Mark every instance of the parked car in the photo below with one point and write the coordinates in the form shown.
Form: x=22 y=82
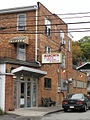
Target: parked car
x=77 y=102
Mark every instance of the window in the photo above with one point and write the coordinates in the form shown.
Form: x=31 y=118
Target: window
x=21 y=51
x=63 y=60
x=79 y=84
x=84 y=85
x=47 y=83
x=21 y=22
x=69 y=46
x=47 y=49
x=62 y=36
x=47 y=27
x=74 y=83
x=63 y=84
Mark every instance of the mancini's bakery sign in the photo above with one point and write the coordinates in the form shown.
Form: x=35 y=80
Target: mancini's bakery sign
x=52 y=58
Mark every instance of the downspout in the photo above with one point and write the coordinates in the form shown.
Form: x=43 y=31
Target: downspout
x=36 y=41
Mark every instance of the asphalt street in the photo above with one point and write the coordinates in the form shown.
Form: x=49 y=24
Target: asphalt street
x=70 y=115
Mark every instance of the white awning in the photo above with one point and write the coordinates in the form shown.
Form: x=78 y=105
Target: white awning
x=20 y=39
x=29 y=70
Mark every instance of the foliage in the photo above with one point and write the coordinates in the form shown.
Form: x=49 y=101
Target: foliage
x=1 y=112
x=81 y=50
x=76 y=52
x=85 y=47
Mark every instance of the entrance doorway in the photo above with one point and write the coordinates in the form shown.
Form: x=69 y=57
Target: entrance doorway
x=28 y=93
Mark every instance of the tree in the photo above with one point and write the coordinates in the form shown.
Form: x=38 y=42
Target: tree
x=76 y=52
x=81 y=50
x=85 y=47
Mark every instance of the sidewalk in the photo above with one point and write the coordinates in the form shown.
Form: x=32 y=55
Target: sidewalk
x=39 y=111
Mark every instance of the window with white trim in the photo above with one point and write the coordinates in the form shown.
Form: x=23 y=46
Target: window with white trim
x=47 y=49
x=47 y=27
x=69 y=47
x=62 y=36
x=63 y=60
x=21 y=51
x=21 y=21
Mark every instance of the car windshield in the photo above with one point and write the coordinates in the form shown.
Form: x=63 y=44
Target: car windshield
x=76 y=96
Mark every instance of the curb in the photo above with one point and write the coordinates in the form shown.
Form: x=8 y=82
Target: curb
x=53 y=112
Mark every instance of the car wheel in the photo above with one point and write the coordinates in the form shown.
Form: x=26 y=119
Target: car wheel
x=65 y=110
x=85 y=108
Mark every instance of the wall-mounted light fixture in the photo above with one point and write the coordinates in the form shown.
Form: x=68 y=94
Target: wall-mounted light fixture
x=14 y=76
x=21 y=77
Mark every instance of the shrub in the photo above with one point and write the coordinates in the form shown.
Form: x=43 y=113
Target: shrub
x=1 y=112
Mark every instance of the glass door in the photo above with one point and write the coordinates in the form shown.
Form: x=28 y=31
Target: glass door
x=29 y=94
x=34 y=95
x=22 y=97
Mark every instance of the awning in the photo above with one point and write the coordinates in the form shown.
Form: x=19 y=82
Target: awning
x=20 y=39
x=26 y=70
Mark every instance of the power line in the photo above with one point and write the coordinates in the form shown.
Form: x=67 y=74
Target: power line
x=42 y=30
x=54 y=15
x=75 y=17
x=45 y=25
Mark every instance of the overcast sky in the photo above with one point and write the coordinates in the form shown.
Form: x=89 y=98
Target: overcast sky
x=60 y=7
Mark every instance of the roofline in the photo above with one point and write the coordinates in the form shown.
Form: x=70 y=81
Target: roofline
x=83 y=65
x=18 y=9
x=51 y=12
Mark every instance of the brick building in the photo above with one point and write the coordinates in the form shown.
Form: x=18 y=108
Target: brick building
x=25 y=34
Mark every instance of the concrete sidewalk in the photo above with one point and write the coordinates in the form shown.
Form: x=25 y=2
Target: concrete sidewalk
x=39 y=111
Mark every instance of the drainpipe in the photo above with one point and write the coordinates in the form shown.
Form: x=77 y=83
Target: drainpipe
x=36 y=41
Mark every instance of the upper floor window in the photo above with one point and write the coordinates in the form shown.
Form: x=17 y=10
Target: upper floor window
x=47 y=27
x=21 y=22
x=47 y=49
x=63 y=60
x=21 y=51
x=62 y=36
x=69 y=47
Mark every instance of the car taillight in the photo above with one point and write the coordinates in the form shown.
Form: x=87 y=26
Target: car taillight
x=64 y=102
x=80 y=102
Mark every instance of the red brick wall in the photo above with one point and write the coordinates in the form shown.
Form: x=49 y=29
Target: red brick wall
x=8 y=34
x=54 y=43
x=76 y=75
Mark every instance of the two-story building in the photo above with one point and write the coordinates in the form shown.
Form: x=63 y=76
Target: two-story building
x=25 y=34
x=86 y=69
